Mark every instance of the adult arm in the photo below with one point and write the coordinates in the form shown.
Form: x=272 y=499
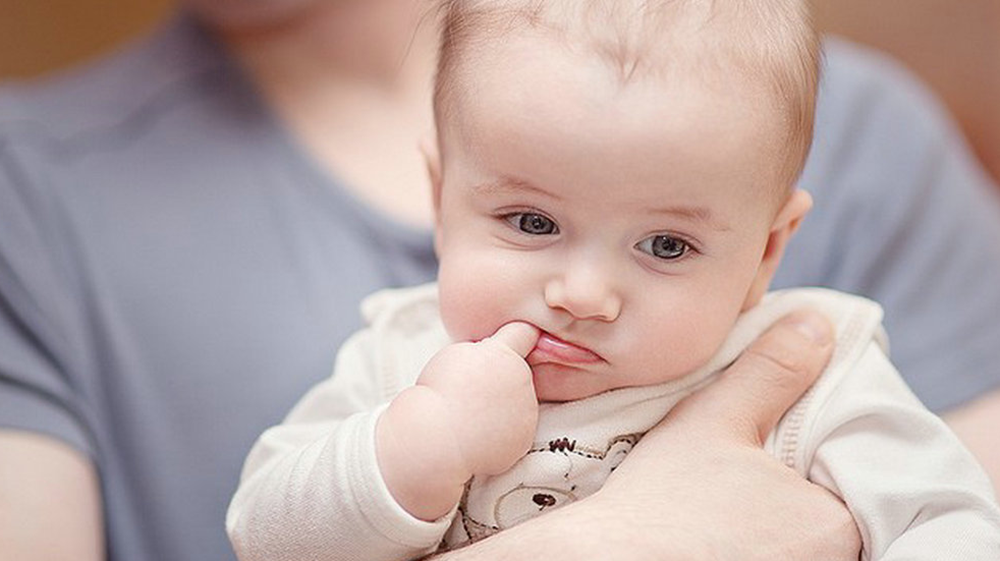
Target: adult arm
x=724 y=497
x=49 y=501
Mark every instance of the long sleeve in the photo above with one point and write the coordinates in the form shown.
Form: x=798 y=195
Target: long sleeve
x=311 y=487
x=914 y=491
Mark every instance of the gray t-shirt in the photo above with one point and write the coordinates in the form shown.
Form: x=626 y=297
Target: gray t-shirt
x=175 y=272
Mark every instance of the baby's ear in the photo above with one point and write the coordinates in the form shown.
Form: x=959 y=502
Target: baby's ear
x=785 y=223
x=432 y=158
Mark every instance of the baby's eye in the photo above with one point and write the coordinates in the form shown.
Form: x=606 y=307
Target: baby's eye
x=533 y=224
x=664 y=247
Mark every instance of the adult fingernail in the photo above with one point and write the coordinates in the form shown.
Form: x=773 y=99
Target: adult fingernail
x=814 y=326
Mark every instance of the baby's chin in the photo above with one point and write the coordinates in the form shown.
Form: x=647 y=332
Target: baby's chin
x=559 y=383
x=556 y=383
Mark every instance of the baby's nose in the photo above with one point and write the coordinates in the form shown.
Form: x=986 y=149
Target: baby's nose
x=585 y=293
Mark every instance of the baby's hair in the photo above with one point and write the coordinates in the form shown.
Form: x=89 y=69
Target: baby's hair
x=770 y=42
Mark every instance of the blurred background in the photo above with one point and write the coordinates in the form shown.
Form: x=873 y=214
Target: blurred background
x=954 y=45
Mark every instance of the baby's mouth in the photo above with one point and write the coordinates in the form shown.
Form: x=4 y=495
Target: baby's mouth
x=553 y=350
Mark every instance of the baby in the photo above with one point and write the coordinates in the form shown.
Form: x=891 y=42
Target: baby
x=614 y=188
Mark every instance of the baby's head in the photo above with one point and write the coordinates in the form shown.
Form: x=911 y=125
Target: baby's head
x=619 y=173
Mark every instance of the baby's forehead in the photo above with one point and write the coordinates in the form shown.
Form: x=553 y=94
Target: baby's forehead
x=637 y=144
x=733 y=44
x=766 y=50
x=631 y=37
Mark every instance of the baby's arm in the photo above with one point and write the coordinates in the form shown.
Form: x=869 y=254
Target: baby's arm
x=914 y=491
x=344 y=477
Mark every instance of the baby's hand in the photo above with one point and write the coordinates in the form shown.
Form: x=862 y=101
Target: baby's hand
x=472 y=411
x=489 y=396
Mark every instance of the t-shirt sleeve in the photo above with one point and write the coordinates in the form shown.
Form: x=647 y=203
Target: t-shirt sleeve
x=904 y=215
x=40 y=386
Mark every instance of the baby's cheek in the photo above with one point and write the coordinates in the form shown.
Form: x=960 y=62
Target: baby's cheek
x=468 y=312
x=682 y=345
x=458 y=312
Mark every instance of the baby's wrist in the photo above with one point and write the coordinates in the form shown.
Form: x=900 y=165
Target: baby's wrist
x=418 y=456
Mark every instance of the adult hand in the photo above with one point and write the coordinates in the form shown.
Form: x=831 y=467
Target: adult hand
x=699 y=486
x=705 y=462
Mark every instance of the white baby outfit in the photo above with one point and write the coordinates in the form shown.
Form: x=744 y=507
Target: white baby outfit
x=311 y=487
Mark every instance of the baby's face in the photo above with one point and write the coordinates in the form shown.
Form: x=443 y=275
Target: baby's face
x=628 y=223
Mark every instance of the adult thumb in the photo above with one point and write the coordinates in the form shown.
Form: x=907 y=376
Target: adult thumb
x=773 y=373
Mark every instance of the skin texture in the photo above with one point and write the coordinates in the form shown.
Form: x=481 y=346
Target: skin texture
x=48 y=489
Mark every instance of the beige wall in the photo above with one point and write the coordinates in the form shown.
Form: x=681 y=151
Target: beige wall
x=38 y=35
x=953 y=44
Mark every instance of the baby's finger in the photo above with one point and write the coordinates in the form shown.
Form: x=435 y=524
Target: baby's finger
x=518 y=336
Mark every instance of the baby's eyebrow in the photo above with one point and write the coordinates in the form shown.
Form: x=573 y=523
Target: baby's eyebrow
x=507 y=185
x=698 y=214
x=503 y=185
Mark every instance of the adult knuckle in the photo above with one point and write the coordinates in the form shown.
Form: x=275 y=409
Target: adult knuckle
x=779 y=360
x=775 y=375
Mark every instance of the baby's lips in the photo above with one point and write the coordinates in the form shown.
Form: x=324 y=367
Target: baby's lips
x=552 y=349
